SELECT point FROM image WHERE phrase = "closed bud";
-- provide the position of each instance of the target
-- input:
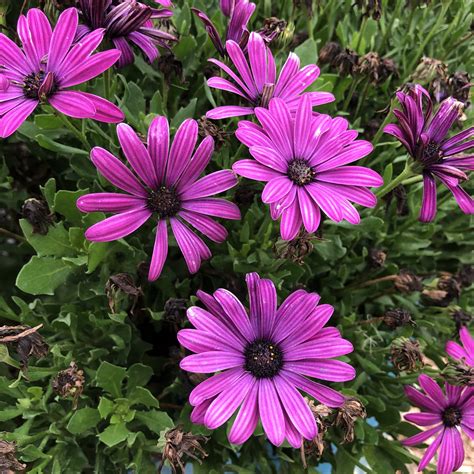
(406, 354)
(397, 317)
(37, 213)
(119, 285)
(297, 249)
(457, 372)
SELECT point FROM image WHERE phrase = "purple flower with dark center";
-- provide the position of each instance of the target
(47, 66)
(464, 352)
(167, 188)
(256, 82)
(237, 29)
(264, 356)
(302, 158)
(125, 22)
(424, 135)
(451, 411)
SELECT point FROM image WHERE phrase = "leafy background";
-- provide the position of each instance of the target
(134, 391)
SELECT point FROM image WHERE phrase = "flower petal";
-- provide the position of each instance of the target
(160, 250)
(271, 412)
(108, 202)
(211, 361)
(72, 103)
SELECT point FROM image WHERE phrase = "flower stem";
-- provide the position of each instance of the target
(78, 134)
(12, 235)
(408, 172)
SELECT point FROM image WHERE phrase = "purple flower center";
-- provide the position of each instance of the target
(165, 202)
(39, 85)
(263, 359)
(451, 417)
(431, 153)
(300, 172)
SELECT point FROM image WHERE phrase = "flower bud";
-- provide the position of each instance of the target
(397, 317)
(37, 213)
(406, 354)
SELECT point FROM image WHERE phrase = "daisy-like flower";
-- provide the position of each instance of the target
(237, 31)
(466, 351)
(424, 135)
(451, 412)
(126, 23)
(303, 158)
(47, 66)
(256, 82)
(167, 188)
(263, 356)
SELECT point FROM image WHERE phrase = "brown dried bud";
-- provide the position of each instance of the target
(400, 196)
(121, 283)
(36, 212)
(407, 282)
(297, 249)
(8, 461)
(28, 342)
(377, 258)
(397, 317)
(272, 28)
(308, 4)
(244, 195)
(347, 415)
(461, 318)
(387, 68)
(447, 282)
(435, 298)
(406, 354)
(329, 52)
(430, 69)
(457, 372)
(175, 310)
(346, 62)
(179, 444)
(207, 128)
(169, 65)
(459, 86)
(372, 8)
(465, 275)
(70, 383)
(377, 69)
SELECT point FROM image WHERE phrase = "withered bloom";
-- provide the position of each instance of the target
(430, 70)
(377, 69)
(297, 249)
(377, 258)
(70, 383)
(461, 318)
(372, 8)
(459, 86)
(435, 297)
(407, 282)
(207, 128)
(272, 28)
(458, 372)
(37, 213)
(465, 275)
(400, 196)
(179, 444)
(8, 460)
(406, 354)
(329, 52)
(175, 310)
(28, 342)
(347, 415)
(171, 67)
(448, 282)
(397, 317)
(121, 283)
(346, 62)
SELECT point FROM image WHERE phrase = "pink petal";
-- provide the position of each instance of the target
(211, 361)
(72, 103)
(160, 250)
(271, 412)
(109, 202)
(158, 145)
(13, 119)
(62, 37)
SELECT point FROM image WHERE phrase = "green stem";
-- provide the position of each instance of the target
(408, 172)
(362, 28)
(414, 179)
(107, 79)
(77, 133)
(362, 98)
(352, 89)
(12, 235)
(386, 121)
(165, 90)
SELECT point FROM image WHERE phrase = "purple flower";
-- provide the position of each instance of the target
(465, 353)
(47, 66)
(256, 81)
(227, 6)
(264, 357)
(423, 134)
(125, 22)
(237, 31)
(450, 412)
(167, 188)
(302, 156)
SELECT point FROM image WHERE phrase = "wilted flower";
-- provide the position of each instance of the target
(175, 310)
(70, 383)
(178, 445)
(257, 81)
(303, 158)
(125, 22)
(373, 8)
(8, 461)
(329, 52)
(315, 447)
(47, 66)
(121, 283)
(346, 62)
(37, 213)
(407, 282)
(347, 415)
(297, 249)
(424, 136)
(377, 258)
(237, 31)
(207, 128)
(465, 275)
(406, 354)
(263, 357)
(397, 317)
(459, 86)
(429, 71)
(458, 372)
(272, 28)
(448, 282)
(461, 318)
(451, 412)
(168, 188)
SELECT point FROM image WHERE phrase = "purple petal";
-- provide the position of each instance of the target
(251, 93)
(310, 212)
(160, 250)
(225, 85)
(299, 82)
(324, 369)
(118, 226)
(455, 139)
(226, 111)
(421, 400)
(288, 71)
(247, 418)
(253, 170)
(430, 452)
(251, 134)
(428, 204)
(467, 340)
(12, 56)
(432, 389)
(353, 152)
(199, 412)
(271, 412)
(292, 435)
(276, 189)
(257, 53)
(351, 175)
(105, 111)
(211, 361)
(451, 452)
(13, 119)
(320, 349)
(126, 51)
(209, 185)
(291, 222)
(72, 103)
(62, 37)
(423, 419)
(207, 226)
(145, 44)
(198, 163)
(325, 200)
(137, 155)
(158, 145)
(214, 207)
(270, 158)
(422, 437)
(446, 115)
(238, 58)
(302, 123)
(202, 341)
(109, 202)
(114, 171)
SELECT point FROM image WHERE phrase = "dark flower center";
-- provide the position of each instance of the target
(165, 202)
(431, 153)
(300, 172)
(39, 85)
(267, 94)
(263, 359)
(451, 417)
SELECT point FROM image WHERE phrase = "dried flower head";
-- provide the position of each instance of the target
(465, 275)
(37, 213)
(175, 310)
(347, 415)
(70, 383)
(171, 67)
(429, 70)
(315, 447)
(459, 85)
(406, 354)
(435, 297)
(8, 460)
(458, 372)
(329, 52)
(272, 29)
(28, 342)
(346, 62)
(297, 249)
(179, 444)
(461, 318)
(448, 282)
(121, 284)
(377, 258)
(407, 282)
(207, 128)
(397, 317)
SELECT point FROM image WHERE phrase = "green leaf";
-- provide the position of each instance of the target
(184, 113)
(65, 204)
(138, 375)
(114, 434)
(141, 395)
(110, 378)
(155, 420)
(307, 52)
(57, 147)
(105, 407)
(42, 275)
(83, 420)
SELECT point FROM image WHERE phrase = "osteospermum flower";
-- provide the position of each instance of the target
(264, 357)
(451, 412)
(256, 82)
(303, 158)
(227, 6)
(47, 66)
(464, 352)
(127, 22)
(167, 189)
(424, 135)
(237, 31)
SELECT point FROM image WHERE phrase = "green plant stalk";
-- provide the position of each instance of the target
(407, 172)
(77, 133)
